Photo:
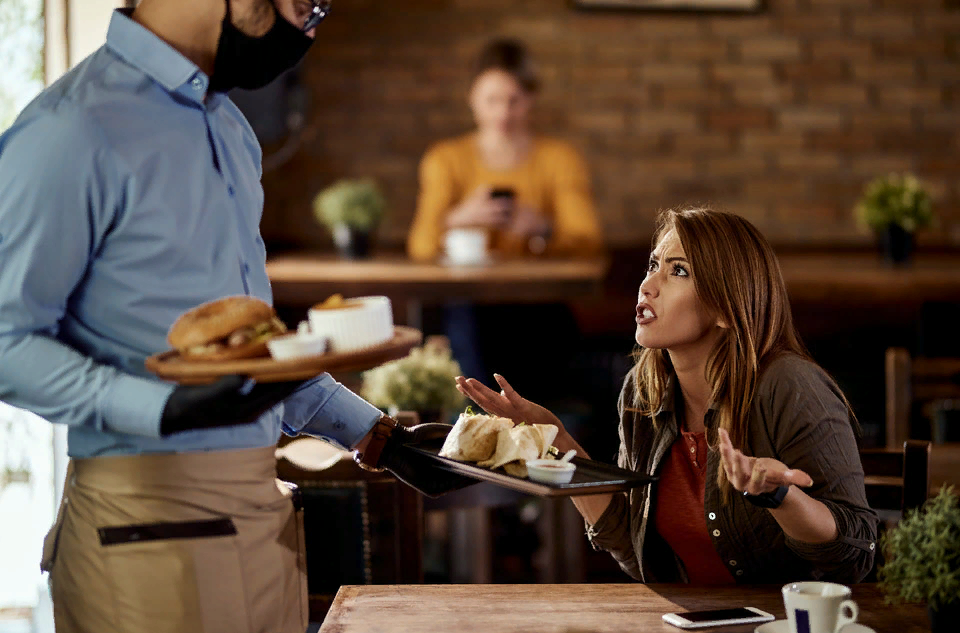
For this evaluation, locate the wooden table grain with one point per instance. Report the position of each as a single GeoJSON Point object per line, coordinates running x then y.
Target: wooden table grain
{"type": "Point", "coordinates": [304, 279]}
{"type": "Point", "coordinates": [597, 608]}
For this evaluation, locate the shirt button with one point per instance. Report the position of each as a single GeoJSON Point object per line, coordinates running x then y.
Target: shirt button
{"type": "Point", "coordinates": [230, 190]}
{"type": "Point", "coordinates": [716, 532]}
{"type": "Point", "coordinates": [338, 426]}
{"type": "Point", "coordinates": [872, 545]}
{"type": "Point", "coordinates": [739, 572]}
{"type": "Point", "coordinates": [713, 516]}
{"type": "Point", "coordinates": [246, 267]}
{"type": "Point", "coordinates": [693, 449]}
{"type": "Point", "coordinates": [197, 83]}
{"type": "Point", "coordinates": [733, 563]}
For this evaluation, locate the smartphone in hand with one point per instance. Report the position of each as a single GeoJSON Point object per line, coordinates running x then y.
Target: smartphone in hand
{"type": "Point", "coordinates": [506, 197]}
{"type": "Point", "coordinates": [717, 617]}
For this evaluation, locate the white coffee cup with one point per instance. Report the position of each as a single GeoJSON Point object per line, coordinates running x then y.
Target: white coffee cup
{"type": "Point", "coordinates": [466, 247]}
{"type": "Point", "coordinates": [818, 607]}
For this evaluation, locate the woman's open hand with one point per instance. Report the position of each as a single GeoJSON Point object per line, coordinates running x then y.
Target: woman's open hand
{"type": "Point", "coordinates": [508, 403]}
{"type": "Point", "coordinates": [757, 475]}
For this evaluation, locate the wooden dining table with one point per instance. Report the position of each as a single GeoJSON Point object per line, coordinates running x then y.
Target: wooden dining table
{"type": "Point", "coordinates": [594, 608]}
{"type": "Point", "coordinates": [304, 279]}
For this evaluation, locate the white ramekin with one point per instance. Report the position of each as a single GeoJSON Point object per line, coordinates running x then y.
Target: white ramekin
{"type": "Point", "coordinates": [550, 471]}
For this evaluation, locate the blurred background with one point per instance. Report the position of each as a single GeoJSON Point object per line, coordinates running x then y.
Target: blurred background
{"type": "Point", "coordinates": [782, 113]}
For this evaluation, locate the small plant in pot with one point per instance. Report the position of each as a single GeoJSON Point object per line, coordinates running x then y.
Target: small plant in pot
{"type": "Point", "coordinates": [923, 560]}
{"type": "Point", "coordinates": [351, 210]}
{"type": "Point", "coordinates": [423, 382]}
{"type": "Point", "coordinates": [894, 207]}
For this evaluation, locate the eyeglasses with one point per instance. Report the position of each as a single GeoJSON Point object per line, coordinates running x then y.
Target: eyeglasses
{"type": "Point", "coordinates": [321, 8]}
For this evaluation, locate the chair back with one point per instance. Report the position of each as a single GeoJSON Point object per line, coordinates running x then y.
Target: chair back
{"type": "Point", "coordinates": [897, 480]}
{"type": "Point", "coordinates": [911, 381]}
{"type": "Point", "coordinates": [360, 527]}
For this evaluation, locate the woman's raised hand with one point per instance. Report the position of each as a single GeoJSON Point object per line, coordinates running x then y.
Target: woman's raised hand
{"type": "Point", "coordinates": [757, 475]}
{"type": "Point", "coordinates": [508, 403]}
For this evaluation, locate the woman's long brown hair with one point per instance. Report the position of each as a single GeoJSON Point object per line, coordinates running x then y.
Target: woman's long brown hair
{"type": "Point", "coordinates": [737, 278]}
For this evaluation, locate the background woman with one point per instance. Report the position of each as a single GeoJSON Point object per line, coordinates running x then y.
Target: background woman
{"type": "Point", "coordinates": [760, 475]}
{"type": "Point", "coordinates": [532, 195]}
{"type": "Point", "coordinates": [550, 210]}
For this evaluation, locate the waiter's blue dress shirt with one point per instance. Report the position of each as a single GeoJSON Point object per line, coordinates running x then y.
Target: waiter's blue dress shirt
{"type": "Point", "coordinates": [129, 195]}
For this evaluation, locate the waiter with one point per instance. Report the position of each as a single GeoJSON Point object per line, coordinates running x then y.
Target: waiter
{"type": "Point", "coordinates": [129, 193]}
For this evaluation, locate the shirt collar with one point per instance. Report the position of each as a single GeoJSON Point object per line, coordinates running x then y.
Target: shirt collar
{"type": "Point", "coordinates": [669, 405]}
{"type": "Point", "coordinates": [142, 49]}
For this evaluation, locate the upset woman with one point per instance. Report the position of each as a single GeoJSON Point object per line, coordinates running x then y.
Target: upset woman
{"type": "Point", "coordinates": [760, 479]}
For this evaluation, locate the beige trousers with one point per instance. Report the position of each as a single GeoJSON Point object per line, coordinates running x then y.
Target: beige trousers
{"type": "Point", "coordinates": [198, 542]}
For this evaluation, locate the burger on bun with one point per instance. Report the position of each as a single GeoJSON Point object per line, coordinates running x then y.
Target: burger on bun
{"type": "Point", "coordinates": [226, 329]}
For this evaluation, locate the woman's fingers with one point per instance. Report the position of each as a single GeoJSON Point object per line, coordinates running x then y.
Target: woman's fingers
{"type": "Point", "coordinates": [489, 400]}
{"type": "Point", "coordinates": [798, 478]}
{"type": "Point", "coordinates": [789, 476]}
{"type": "Point", "coordinates": [757, 484]}
{"type": "Point", "coordinates": [508, 392]}
{"type": "Point", "coordinates": [738, 467]}
{"type": "Point", "coordinates": [728, 457]}
{"type": "Point", "coordinates": [743, 470]}
{"type": "Point", "coordinates": [756, 475]}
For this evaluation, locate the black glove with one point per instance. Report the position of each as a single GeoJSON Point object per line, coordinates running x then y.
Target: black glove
{"type": "Point", "coordinates": [418, 471]}
{"type": "Point", "coordinates": [220, 404]}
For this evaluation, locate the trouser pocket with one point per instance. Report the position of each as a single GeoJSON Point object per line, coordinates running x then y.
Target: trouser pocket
{"type": "Point", "coordinates": [176, 576]}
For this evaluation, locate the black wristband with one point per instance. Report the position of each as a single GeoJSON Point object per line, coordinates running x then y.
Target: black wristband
{"type": "Point", "coordinates": [768, 499]}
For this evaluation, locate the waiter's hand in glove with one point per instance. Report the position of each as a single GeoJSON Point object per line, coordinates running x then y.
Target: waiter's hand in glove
{"type": "Point", "coordinates": [223, 403]}
{"type": "Point", "coordinates": [415, 469]}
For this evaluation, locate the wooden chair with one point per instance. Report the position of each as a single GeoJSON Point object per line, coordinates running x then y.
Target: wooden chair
{"type": "Point", "coordinates": [897, 480]}
{"type": "Point", "coordinates": [360, 527]}
{"type": "Point", "coordinates": [911, 381]}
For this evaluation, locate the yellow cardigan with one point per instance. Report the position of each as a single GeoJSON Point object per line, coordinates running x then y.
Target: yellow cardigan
{"type": "Point", "coordinates": [553, 179]}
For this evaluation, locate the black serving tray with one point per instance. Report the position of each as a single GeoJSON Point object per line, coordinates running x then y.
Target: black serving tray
{"type": "Point", "coordinates": [589, 478]}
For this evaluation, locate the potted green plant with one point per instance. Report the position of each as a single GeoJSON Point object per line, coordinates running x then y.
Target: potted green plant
{"type": "Point", "coordinates": [894, 207]}
{"type": "Point", "coordinates": [923, 560]}
{"type": "Point", "coordinates": [351, 210]}
{"type": "Point", "coordinates": [422, 381]}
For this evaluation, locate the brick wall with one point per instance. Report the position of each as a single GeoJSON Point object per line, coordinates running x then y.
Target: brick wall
{"type": "Point", "coordinates": [780, 116]}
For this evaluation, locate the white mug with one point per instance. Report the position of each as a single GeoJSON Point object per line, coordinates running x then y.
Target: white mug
{"type": "Point", "coordinates": [466, 247]}
{"type": "Point", "coordinates": [818, 607]}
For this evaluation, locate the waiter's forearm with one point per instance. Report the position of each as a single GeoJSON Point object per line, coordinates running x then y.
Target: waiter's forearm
{"type": "Point", "coordinates": [342, 416]}
{"type": "Point", "coordinates": [591, 507]}
{"type": "Point", "coordinates": [53, 380]}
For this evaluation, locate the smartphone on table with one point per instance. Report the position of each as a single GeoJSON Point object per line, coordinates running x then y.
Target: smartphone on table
{"type": "Point", "coordinates": [717, 617]}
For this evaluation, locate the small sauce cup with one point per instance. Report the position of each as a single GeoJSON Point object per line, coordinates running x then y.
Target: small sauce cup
{"type": "Point", "coordinates": [290, 346]}
{"type": "Point", "coordinates": [550, 471]}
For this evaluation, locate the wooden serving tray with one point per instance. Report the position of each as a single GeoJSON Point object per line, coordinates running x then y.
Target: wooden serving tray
{"type": "Point", "coordinates": [171, 366]}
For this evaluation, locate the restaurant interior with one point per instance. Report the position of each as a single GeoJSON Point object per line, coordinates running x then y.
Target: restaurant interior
{"type": "Point", "coordinates": [784, 112]}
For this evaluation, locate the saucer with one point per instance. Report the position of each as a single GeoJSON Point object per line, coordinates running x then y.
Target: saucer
{"type": "Point", "coordinates": [783, 626]}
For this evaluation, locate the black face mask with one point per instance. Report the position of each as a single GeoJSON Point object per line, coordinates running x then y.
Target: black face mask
{"type": "Point", "coordinates": [252, 62]}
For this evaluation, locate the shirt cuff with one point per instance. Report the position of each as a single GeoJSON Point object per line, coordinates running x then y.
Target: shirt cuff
{"type": "Point", "coordinates": [607, 532]}
{"type": "Point", "coordinates": [339, 415]}
{"type": "Point", "coordinates": [134, 405]}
